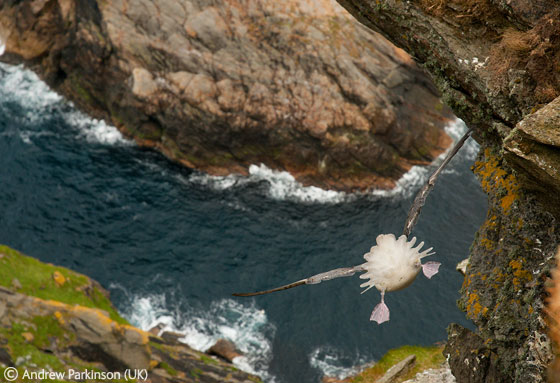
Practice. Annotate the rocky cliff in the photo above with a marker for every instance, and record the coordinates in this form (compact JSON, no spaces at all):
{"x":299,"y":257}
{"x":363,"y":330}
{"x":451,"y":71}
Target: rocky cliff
{"x":55,"y":320}
{"x":219,"y":85}
{"x":496,"y":64}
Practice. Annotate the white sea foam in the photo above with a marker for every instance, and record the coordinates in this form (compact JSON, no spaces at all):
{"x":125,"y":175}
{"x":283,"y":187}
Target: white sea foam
{"x":38,"y":101}
{"x":24,"y":87}
{"x":27,"y":135}
{"x":281,"y":185}
{"x":284,"y":186}
{"x":95,"y":131}
{"x":413,"y":179}
{"x":334,"y":363}
{"x":245,"y":325}
{"x":2,"y":47}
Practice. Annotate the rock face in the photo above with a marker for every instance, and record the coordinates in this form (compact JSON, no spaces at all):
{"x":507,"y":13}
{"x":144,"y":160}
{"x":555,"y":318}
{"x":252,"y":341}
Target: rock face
{"x":73,"y":326}
{"x":218,"y":85}
{"x":97,"y":337}
{"x":494,"y":63}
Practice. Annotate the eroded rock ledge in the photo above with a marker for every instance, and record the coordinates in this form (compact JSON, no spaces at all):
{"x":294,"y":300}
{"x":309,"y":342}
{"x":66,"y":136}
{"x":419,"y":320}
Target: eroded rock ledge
{"x":298,"y":85}
{"x":496,"y":65}
{"x":54,"y":319}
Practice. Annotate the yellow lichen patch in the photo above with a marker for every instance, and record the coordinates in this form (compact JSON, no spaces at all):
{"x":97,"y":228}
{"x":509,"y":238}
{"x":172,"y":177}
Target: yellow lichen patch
{"x":495,"y":179}
{"x":59,"y":317}
{"x":28,"y":336}
{"x":492,"y":222}
{"x":142,"y":335}
{"x":474,"y":308}
{"x":500,"y":277}
{"x":486,"y":243}
{"x":467,"y":281}
{"x":58,"y":279}
{"x":507,"y":201}
{"x":520,"y":276}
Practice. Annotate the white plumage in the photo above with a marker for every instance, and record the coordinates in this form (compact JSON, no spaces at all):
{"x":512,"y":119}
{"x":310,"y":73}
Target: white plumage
{"x":393,"y":265}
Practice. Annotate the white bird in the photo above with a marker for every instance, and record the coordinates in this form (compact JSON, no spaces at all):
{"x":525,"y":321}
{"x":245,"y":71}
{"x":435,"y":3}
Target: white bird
{"x":391,"y":265}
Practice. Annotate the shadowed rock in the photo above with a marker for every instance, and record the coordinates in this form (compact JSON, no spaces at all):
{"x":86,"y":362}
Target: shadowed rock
{"x":496,"y":65}
{"x":297,"y":85}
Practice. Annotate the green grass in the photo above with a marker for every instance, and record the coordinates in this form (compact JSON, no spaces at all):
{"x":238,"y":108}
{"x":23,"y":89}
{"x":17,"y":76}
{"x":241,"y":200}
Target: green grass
{"x":44,"y":329}
{"x":36,"y":280}
{"x":19,"y":347}
{"x":426,"y":357}
{"x":170,"y":370}
{"x":195,"y":373}
{"x":208,"y":360}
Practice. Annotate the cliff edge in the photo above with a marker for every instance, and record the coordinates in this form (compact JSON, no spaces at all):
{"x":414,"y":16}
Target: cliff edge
{"x":220,"y":85}
{"x":496,"y":64}
{"x":56,"y":321}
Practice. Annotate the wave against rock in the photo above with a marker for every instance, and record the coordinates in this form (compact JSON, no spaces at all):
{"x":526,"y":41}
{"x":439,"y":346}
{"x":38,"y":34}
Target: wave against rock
{"x":218,"y":86}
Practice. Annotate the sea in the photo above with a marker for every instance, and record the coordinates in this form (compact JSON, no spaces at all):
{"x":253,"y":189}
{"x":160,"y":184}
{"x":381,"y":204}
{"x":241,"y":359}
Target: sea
{"x":172,"y":244}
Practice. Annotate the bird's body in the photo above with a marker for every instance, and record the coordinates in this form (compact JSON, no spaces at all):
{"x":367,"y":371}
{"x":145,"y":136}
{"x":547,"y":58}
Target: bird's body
{"x":392,"y":265}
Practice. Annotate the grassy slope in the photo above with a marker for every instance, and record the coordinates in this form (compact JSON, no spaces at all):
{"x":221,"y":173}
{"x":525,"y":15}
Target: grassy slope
{"x":36,"y":279}
{"x":426,"y":357}
{"x":28,"y":342}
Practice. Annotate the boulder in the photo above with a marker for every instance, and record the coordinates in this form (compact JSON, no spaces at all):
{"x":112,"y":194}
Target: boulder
{"x":97,"y":337}
{"x":224,"y":349}
{"x":398,"y":370}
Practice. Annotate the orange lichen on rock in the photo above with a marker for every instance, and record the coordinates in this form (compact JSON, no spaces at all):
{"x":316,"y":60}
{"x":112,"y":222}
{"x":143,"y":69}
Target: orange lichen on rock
{"x":520,"y":275}
{"x":58,"y":278}
{"x":474,"y":308}
{"x":493,"y":177}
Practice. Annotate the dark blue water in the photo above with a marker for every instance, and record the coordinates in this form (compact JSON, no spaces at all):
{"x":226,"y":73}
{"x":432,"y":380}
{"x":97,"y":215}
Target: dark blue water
{"x":172,"y":244}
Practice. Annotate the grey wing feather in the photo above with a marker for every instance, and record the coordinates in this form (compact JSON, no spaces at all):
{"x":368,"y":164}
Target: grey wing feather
{"x":336,"y":273}
{"x":313,"y":280}
{"x":420,"y":199}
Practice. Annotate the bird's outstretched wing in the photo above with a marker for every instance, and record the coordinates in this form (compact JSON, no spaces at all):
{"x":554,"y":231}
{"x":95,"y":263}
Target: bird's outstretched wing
{"x":420,"y":199}
{"x":318,"y":278}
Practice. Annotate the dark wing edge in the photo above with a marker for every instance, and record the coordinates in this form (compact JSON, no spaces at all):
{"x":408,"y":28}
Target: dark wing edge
{"x":420,"y":198}
{"x":315,"y":279}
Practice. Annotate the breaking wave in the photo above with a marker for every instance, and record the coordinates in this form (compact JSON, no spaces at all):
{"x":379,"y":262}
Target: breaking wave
{"x":331,"y":362}
{"x":412,"y":180}
{"x":281,"y":185}
{"x":38,"y":102}
{"x":245,"y":325}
